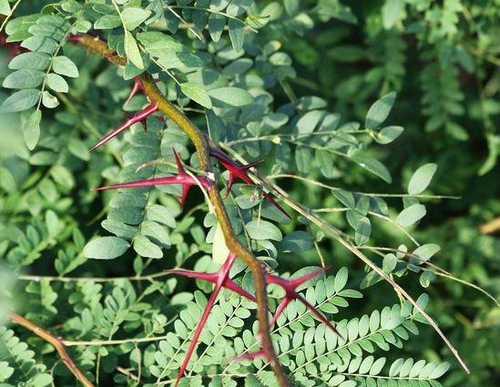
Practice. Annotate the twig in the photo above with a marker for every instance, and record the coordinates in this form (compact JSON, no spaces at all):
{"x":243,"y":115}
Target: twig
{"x":336,"y":235}
{"x":490,"y":227}
{"x":56,"y":343}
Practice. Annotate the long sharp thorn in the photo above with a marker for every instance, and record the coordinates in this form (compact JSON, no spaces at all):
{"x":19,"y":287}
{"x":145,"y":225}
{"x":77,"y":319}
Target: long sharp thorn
{"x":234,"y":287}
{"x":179,"y":163}
{"x":279,"y":311}
{"x":208,"y":277}
{"x":318,"y":315}
{"x":138,"y":86}
{"x":222,"y":275}
{"x":143,"y":183}
{"x":141,"y":116}
{"x":194,"y":342}
{"x":307,"y":277}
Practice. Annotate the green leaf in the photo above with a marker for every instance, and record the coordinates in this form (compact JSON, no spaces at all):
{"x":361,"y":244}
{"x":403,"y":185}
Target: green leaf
{"x":388,"y":134}
{"x":30,"y":61}
{"x":42,"y":380}
{"x":108,"y":22}
{"x":31,"y":129}
{"x":439,"y":371}
{"x":220,"y":250}
{"x":232,"y":96}
{"x":411,"y":215}
{"x":57,"y":83}
{"x":379,"y":111}
{"x":236,"y":33}
{"x":105,"y":248}
{"x":21,"y":100}
{"x":425,"y":252}
{"x":5,"y":371}
{"x":421,"y":179}
{"x":23,"y":79}
{"x":49,"y":101}
{"x":133,"y":17}
{"x":309,"y":121}
{"x":64,"y":66}
{"x":145,"y":248}
{"x":344,"y":197}
{"x":392,"y":12}
{"x":197,"y":93}
{"x":5,"y":8}
{"x":372,"y":165}
{"x":263,"y":230}
{"x":132,"y":51}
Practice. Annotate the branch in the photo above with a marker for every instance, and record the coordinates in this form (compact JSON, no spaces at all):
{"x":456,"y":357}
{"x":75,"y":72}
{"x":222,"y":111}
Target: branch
{"x":97,"y":46}
{"x":56,"y":343}
{"x":491,"y":227}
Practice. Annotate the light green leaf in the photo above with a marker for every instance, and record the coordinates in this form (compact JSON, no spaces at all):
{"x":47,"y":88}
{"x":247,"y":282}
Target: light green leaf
{"x":57,"y":83}
{"x":388,"y":134}
{"x":411,"y":215}
{"x":31,"y":129}
{"x":30,"y":60}
{"x":379,"y":111}
{"x":108,"y":22}
{"x":65,"y":66}
{"x":421,"y":179}
{"x":232,"y":96}
{"x":440,"y":370}
{"x":23,"y":79}
{"x":425,"y":252}
{"x":5,"y":371}
{"x":21,"y":100}
{"x":5,"y":8}
{"x":309,"y":121}
{"x":220,"y":250}
{"x":145,"y":248}
{"x":105,"y":248}
{"x":133,"y":17}
{"x":49,"y":101}
{"x":392,"y":12}
{"x":132,"y":51}
{"x":372,"y":165}
{"x":197,"y":93}
{"x":263,"y":230}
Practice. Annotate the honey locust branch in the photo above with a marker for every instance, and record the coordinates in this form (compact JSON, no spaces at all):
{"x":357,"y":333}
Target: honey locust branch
{"x":97,"y":46}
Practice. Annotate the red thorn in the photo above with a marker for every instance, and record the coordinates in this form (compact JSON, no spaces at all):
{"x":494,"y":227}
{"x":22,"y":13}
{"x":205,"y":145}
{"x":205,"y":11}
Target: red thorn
{"x":139,"y":117}
{"x":170,"y":180}
{"x":240,"y":172}
{"x":290,"y":287}
{"x":182,"y":178}
{"x":138,"y":87}
{"x":222,"y":275}
{"x":212,"y":278}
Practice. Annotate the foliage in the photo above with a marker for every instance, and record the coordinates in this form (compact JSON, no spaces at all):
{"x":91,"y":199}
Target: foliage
{"x":95,"y":268}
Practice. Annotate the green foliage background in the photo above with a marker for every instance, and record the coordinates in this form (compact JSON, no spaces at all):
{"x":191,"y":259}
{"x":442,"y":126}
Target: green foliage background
{"x":441,"y":58}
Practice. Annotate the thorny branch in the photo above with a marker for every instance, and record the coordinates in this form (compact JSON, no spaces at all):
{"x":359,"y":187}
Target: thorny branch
{"x":202,"y":146}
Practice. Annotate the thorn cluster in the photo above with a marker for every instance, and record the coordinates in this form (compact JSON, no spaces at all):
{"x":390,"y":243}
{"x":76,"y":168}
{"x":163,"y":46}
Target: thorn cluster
{"x":240,"y":172}
{"x":182,"y":178}
{"x":221,"y":280}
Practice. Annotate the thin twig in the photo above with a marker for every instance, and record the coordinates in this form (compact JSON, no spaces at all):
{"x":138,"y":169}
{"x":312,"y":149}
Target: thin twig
{"x":56,"y":343}
{"x":336,"y":235}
